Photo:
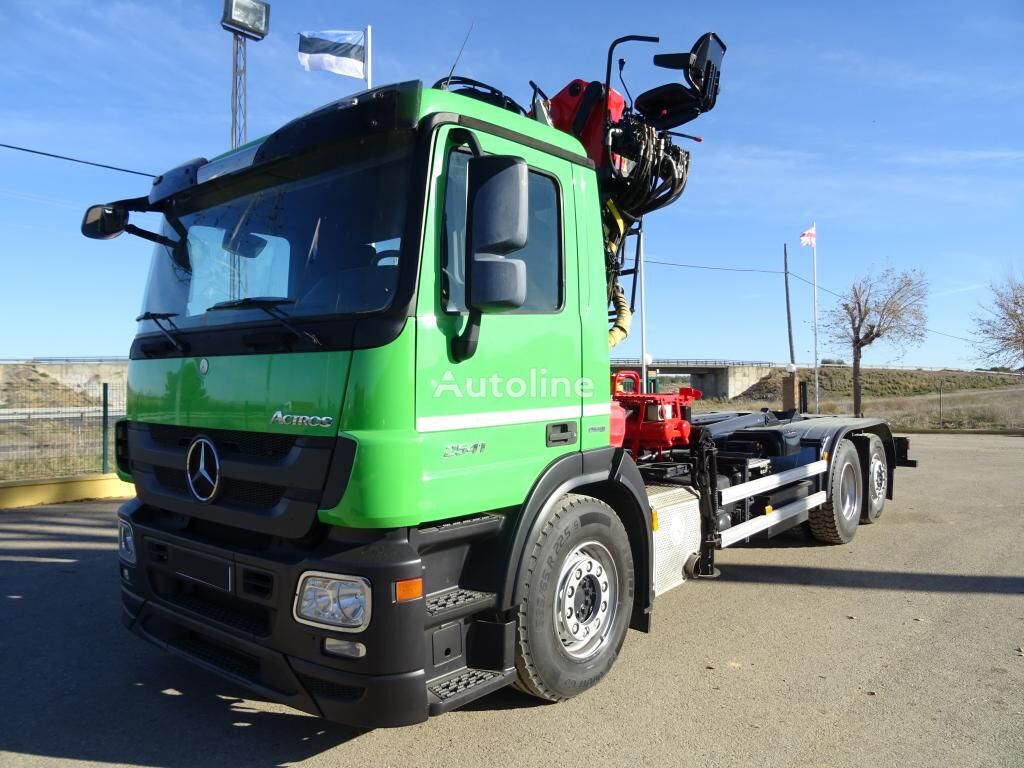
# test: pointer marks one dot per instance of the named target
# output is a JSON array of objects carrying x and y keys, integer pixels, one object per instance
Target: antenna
[{"x": 456, "y": 62}]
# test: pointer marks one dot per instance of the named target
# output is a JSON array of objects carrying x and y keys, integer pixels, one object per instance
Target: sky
[{"x": 898, "y": 128}]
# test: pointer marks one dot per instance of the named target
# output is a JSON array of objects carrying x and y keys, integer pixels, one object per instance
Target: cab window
[{"x": 542, "y": 253}]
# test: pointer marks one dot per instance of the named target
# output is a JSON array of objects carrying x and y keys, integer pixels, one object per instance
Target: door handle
[{"x": 561, "y": 433}]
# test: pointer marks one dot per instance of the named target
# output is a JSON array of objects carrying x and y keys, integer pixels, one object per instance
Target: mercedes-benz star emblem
[{"x": 202, "y": 469}]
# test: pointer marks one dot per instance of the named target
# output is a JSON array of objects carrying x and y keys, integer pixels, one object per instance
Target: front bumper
[{"x": 246, "y": 632}]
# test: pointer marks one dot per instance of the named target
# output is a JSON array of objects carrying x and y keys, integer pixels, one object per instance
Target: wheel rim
[
  {"x": 586, "y": 600},
  {"x": 849, "y": 491},
  {"x": 879, "y": 477}
]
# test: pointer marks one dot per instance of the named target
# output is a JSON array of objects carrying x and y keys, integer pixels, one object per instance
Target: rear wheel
[
  {"x": 835, "y": 521},
  {"x": 578, "y": 594},
  {"x": 876, "y": 477}
]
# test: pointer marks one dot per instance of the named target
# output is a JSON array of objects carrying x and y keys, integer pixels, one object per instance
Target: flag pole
[
  {"x": 369, "y": 57},
  {"x": 814, "y": 276}
]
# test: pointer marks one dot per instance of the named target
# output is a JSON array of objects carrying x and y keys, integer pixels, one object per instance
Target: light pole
[{"x": 245, "y": 20}]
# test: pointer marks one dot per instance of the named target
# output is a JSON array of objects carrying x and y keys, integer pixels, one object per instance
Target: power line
[
  {"x": 717, "y": 269},
  {"x": 76, "y": 160},
  {"x": 839, "y": 296},
  {"x": 793, "y": 274}
]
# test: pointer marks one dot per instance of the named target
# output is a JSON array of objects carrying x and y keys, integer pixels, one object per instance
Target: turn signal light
[{"x": 408, "y": 589}]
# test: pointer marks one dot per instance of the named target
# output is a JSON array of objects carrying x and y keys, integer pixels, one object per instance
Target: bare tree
[
  {"x": 888, "y": 306},
  {"x": 1000, "y": 325}
]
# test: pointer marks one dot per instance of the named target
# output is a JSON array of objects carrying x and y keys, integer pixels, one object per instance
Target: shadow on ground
[
  {"x": 77, "y": 685},
  {"x": 901, "y": 581}
]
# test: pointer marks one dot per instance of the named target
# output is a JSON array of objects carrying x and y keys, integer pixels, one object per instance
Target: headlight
[
  {"x": 125, "y": 542},
  {"x": 333, "y": 602}
]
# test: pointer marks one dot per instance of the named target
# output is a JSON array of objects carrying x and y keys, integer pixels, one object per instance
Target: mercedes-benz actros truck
[{"x": 381, "y": 465}]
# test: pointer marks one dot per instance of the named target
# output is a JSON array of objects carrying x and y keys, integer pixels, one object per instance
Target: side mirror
[
  {"x": 102, "y": 222},
  {"x": 498, "y": 205},
  {"x": 496, "y": 225}
]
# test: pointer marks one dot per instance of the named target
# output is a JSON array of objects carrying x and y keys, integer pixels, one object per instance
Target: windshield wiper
[
  {"x": 158, "y": 319},
  {"x": 272, "y": 306}
]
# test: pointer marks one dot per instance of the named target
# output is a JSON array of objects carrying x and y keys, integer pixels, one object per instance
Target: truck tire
[
  {"x": 876, "y": 476},
  {"x": 835, "y": 521},
  {"x": 577, "y": 598}
]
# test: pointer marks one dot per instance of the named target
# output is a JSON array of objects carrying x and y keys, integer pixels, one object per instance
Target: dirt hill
[
  {"x": 25, "y": 386},
  {"x": 837, "y": 382}
]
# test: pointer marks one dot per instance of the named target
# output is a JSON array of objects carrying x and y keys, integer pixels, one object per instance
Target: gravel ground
[{"x": 901, "y": 649}]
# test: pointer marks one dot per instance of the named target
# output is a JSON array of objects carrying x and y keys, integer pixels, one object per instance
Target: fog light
[
  {"x": 344, "y": 648},
  {"x": 332, "y": 601},
  {"x": 125, "y": 542}
]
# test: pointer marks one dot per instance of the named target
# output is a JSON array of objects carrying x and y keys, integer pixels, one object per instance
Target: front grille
[
  {"x": 171, "y": 478},
  {"x": 250, "y": 494},
  {"x": 269, "y": 483},
  {"x": 258, "y": 445},
  {"x": 219, "y": 607},
  {"x": 235, "y": 492}
]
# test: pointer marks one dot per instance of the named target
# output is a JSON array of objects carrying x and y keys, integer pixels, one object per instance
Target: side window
[
  {"x": 453, "y": 244},
  {"x": 542, "y": 254}
]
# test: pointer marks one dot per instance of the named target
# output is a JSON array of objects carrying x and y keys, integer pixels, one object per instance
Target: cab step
[
  {"x": 465, "y": 685},
  {"x": 455, "y": 530},
  {"x": 457, "y": 602}
]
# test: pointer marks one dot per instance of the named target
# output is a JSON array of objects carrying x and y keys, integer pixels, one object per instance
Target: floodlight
[{"x": 250, "y": 18}]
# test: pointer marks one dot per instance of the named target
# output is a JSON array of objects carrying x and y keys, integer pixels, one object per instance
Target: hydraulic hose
[{"x": 623, "y": 317}]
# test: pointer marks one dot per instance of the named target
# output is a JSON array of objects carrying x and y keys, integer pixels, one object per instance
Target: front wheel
[{"x": 577, "y": 599}]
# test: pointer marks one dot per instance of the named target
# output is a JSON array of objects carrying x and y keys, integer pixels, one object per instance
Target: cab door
[{"x": 489, "y": 425}]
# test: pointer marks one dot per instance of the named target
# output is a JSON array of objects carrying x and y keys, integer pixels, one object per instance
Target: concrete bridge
[{"x": 715, "y": 378}]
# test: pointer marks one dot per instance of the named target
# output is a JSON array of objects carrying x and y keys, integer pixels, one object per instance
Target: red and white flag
[{"x": 810, "y": 236}]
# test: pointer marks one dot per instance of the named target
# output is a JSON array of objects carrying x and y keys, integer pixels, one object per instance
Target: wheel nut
[
  {"x": 579, "y": 573},
  {"x": 571, "y": 591},
  {"x": 590, "y": 567},
  {"x": 604, "y": 606},
  {"x": 599, "y": 571},
  {"x": 575, "y": 628}
]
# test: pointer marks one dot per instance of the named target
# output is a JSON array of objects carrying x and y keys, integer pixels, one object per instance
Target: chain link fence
[{"x": 58, "y": 420}]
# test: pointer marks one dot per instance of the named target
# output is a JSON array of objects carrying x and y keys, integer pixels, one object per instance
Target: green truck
[{"x": 381, "y": 466}]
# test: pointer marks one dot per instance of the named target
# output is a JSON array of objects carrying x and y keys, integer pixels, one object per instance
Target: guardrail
[
  {"x": 635, "y": 361},
  {"x": 624, "y": 361}
]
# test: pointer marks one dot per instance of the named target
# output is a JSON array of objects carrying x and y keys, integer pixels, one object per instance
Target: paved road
[{"x": 898, "y": 650}]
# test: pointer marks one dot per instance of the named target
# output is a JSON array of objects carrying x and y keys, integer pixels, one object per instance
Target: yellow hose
[{"x": 623, "y": 317}]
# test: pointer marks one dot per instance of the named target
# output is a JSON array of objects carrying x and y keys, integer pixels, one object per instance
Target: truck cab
[{"x": 347, "y": 439}]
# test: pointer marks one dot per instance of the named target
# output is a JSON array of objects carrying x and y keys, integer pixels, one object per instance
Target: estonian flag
[{"x": 343, "y": 53}]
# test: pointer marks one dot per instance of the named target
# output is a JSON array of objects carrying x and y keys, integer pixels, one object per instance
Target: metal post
[
  {"x": 940, "y": 404},
  {"x": 238, "y": 96},
  {"x": 814, "y": 270},
  {"x": 789, "y": 314},
  {"x": 643, "y": 305},
  {"x": 106, "y": 428},
  {"x": 369, "y": 57}
]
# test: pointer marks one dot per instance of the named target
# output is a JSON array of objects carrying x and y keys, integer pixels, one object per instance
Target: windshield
[{"x": 325, "y": 243}]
